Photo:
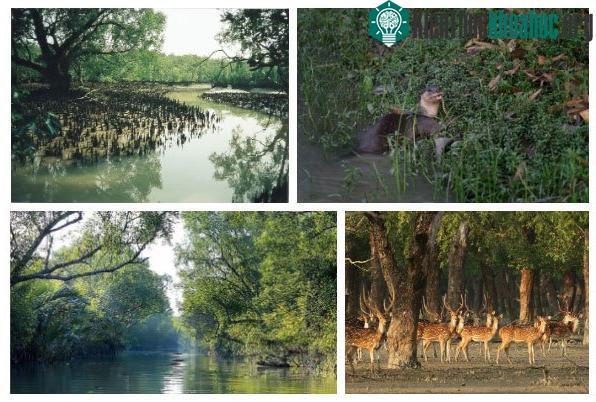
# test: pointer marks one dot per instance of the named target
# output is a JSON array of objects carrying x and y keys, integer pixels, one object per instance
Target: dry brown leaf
[
  {"x": 520, "y": 171},
  {"x": 542, "y": 60},
  {"x": 531, "y": 75},
  {"x": 535, "y": 94},
  {"x": 474, "y": 45},
  {"x": 518, "y": 53},
  {"x": 511, "y": 45},
  {"x": 513, "y": 70},
  {"x": 469, "y": 43},
  {"x": 485, "y": 45},
  {"x": 562, "y": 56},
  {"x": 585, "y": 115},
  {"x": 492, "y": 85},
  {"x": 574, "y": 102}
]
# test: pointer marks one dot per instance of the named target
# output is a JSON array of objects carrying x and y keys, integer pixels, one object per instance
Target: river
[
  {"x": 164, "y": 373},
  {"x": 176, "y": 173}
]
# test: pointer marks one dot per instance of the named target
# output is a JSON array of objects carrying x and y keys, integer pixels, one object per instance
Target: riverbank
[{"x": 273, "y": 103}]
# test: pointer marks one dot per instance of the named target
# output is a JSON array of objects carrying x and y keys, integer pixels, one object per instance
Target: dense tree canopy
[
  {"x": 261, "y": 284},
  {"x": 263, "y": 34},
  {"x": 52, "y": 40},
  {"x": 58, "y": 46},
  {"x": 79, "y": 285}
]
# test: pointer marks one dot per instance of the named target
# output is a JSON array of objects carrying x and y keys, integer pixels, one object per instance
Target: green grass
[{"x": 509, "y": 148}]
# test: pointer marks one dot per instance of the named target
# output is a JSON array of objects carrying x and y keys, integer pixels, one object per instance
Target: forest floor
[{"x": 550, "y": 374}]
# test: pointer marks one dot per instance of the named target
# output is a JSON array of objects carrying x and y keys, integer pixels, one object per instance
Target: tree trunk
[
  {"x": 585, "y": 272},
  {"x": 57, "y": 76},
  {"x": 457, "y": 255},
  {"x": 579, "y": 296},
  {"x": 378, "y": 291},
  {"x": 568, "y": 290},
  {"x": 538, "y": 311},
  {"x": 503, "y": 294},
  {"x": 432, "y": 296},
  {"x": 489, "y": 286},
  {"x": 525, "y": 296},
  {"x": 352, "y": 290},
  {"x": 475, "y": 299},
  {"x": 406, "y": 285},
  {"x": 550, "y": 294}
]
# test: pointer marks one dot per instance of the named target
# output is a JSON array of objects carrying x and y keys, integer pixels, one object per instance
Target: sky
[
  {"x": 162, "y": 260},
  {"x": 193, "y": 31}
]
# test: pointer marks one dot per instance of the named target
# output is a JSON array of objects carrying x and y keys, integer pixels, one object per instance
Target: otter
[{"x": 419, "y": 125}]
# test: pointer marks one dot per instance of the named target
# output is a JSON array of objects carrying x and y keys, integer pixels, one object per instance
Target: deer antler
[
  {"x": 559, "y": 304},
  {"x": 425, "y": 307},
  {"x": 391, "y": 302},
  {"x": 464, "y": 301},
  {"x": 452, "y": 311},
  {"x": 364, "y": 302}
]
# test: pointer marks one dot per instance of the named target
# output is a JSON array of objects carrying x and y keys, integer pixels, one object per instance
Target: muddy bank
[
  {"x": 551, "y": 374},
  {"x": 265, "y": 102},
  {"x": 115, "y": 120},
  {"x": 364, "y": 178}
]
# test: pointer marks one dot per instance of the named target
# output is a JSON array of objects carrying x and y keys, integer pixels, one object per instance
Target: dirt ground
[{"x": 550, "y": 374}]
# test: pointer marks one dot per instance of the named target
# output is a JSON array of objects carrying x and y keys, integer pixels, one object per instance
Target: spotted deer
[
  {"x": 476, "y": 316},
  {"x": 482, "y": 334},
  {"x": 521, "y": 334},
  {"x": 560, "y": 330},
  {"x": 367, "y": 338},
  {"x": 440, "y": 333},
  {"x": 431, "y": 317},
  {"x": 366, "y": 317}
]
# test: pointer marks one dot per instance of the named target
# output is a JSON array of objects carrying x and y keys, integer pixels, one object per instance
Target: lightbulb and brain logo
[{"x": 388, "y": 23}]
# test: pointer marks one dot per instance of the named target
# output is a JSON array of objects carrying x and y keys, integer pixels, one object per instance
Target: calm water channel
[{"x": 163, "y": 373}]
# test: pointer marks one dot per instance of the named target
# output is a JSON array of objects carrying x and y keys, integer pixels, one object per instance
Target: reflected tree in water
[
  {"x": 256, "y": 169},
  {"x": 120, "y": 179}
]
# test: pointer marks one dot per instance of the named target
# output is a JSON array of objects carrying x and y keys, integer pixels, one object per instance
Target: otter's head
[
  {"x": 430, "y": 100},
  {"x": 432, "y": 94}
]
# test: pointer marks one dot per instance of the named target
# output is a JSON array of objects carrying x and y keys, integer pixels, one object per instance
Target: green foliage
[
  {"x": 499, "y": 239},
  {"x": 264, "y": 35},
  {"x": 26, "y": 127},
  {"x": 261, "y": 284},
  {"x": 91, "y": 315},
  {"x": 65, "y": 37},
  {"x": 510, "y": 147},
  {"x": 156, "y": 332},
  {"x": 105, "y": 242},
  {"x": 78, "y": 298},
  {"x": 152, "y": 66}
]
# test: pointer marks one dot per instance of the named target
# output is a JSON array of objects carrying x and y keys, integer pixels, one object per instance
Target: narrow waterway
[{"x": 164, "y": 373}]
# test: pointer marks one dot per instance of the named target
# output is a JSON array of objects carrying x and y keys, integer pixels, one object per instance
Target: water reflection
[
  {"x": 217, "y": 166},
  {"x": 254, "y": 168},
  {"x": 163, "y": 373},
  {"x": 119, "y": 179}
]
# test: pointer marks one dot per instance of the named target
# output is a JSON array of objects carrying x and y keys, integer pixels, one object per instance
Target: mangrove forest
[
  {"x": 168, "y": 302},
  {"x": 144, "y": 105}
]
